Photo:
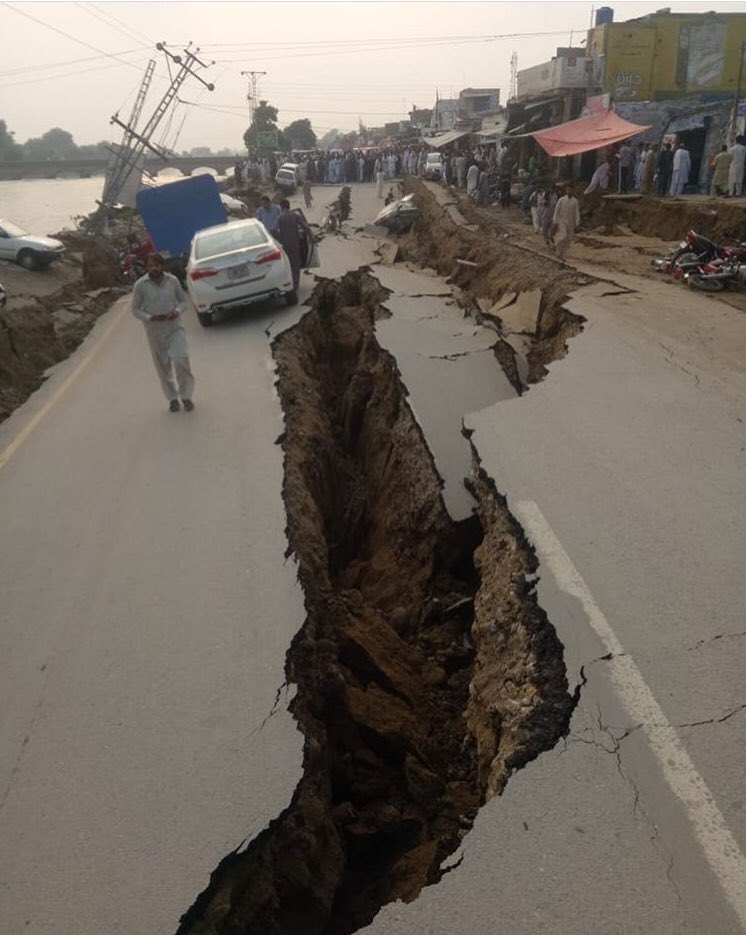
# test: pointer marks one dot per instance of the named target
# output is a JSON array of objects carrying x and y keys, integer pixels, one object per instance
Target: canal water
[{"x": 45, "y": 206}]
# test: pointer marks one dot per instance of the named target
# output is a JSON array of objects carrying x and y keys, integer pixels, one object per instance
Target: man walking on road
[
  {"x": 566, "y": 220},
  {"x": 159, "y": 301}
]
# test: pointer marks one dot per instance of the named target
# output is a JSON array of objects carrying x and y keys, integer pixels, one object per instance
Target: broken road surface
[{"x": 148, "y": 609}]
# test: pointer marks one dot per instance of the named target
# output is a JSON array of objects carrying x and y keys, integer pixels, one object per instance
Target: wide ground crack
[{"x": 426, "y": 673}]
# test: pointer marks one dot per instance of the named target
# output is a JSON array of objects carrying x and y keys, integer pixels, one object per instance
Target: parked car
[
  {"x": 30, "y": 250},
  {"x": 288, "y": 177},
  {"x": 236, "y": 264},
  {"x": 433, "y": 167}
]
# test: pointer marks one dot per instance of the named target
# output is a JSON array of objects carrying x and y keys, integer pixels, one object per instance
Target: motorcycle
[
  {"x": 131, "y": 266},
  {"x": 694, "y": 251},
  {"x": 717, "y": 275}
]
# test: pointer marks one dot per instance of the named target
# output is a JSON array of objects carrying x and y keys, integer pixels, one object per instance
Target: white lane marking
[{"x": 718, "y": 843}]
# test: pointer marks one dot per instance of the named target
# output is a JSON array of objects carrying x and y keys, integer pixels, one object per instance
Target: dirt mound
[
  {"x": 670, "y": 219},
  {"x": 425, "y": 670},
  {"x": 42, "y": 333},
  {"x": 98, "y": 257}
]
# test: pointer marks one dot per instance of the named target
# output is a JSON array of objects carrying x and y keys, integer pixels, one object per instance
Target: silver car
[{"x": 30, "y": 250}]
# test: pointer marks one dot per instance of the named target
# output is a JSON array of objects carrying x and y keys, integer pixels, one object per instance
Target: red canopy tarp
[{"x": 586, "y": 133}]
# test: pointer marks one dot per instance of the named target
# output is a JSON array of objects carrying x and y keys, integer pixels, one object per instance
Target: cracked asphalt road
[{"x": 146, "y": 611}]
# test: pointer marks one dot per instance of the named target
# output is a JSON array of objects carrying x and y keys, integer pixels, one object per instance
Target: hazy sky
[{"x": 331, "y": 62}]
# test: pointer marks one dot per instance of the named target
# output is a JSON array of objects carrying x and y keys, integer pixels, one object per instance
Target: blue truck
[{"x": 173, "y": 213}]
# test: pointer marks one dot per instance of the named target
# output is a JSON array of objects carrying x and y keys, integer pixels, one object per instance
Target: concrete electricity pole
[
  {"x": 136, "y": 142},
  {"x": 251, "y": 95}
]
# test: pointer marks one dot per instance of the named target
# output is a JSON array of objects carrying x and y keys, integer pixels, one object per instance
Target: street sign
[{"x": 266, "y": 139}]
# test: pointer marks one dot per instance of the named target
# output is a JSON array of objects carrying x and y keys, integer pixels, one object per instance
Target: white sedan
[
  {"x": 30, "y": 250},
  {"x": 236, "y": 264}
]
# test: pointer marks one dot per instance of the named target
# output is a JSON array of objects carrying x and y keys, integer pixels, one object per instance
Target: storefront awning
[
  {"x": 443, "y": 139},
  {"x": 586, "y": 133}
]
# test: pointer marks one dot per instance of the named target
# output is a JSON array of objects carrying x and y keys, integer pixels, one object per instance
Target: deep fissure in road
[
  {"x": 426, "y": 672},
  {"x": 494, "y": 269}
]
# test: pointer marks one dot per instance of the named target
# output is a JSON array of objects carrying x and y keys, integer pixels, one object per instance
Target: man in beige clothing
[
  {"x": 159, "y": 301},
  {"x": 566, "y": 220}
]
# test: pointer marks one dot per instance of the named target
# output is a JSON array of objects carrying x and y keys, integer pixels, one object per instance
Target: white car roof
[{"x": 244, "y": 222}]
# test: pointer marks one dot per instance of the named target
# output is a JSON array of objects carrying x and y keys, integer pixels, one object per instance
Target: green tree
[
  {"x": 9, "y": 149},
  {"x": 265, "y": 118},
  {"x": 329, "y": 139},
  {"x": 299, "y": 134},
  {"x": 54, "y": 144}
]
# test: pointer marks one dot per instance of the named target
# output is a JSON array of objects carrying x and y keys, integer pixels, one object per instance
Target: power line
[
  {"x": 65, "y": 64},
  {"x": 100, "y": 16},
  {"x": 69, "y": 74},
  {"x": 133, "y": 32},
  {"x": 369, "y": 41},
  {"x": 67, "y": 35}
]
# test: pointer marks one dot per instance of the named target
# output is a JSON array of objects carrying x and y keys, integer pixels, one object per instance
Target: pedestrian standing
[
  {"x": 268, "y": 213},
  {"x": 721, "y": 171},
  {"x": 682, "y": 166},
  {"x": 665, "y": 169},
  {"x": 461, "y": 169},
  {"x": 566, "y": 221},
  {"x": 288, "y": 231},
  {"x": 534, "y": 203},
  {"x": 472, "y": 180},
  {"x": 307, "y": 196},
  {"x": 159, "y": 301},
  {"x": 735, "y": 173},
  {"x": 626, "y": 159},
  {"x": 380, "y": 176},
  {"x": 483, "y": 186},
  {"x": 648, "y": 170},
  {"x": 546, "y": 214}
]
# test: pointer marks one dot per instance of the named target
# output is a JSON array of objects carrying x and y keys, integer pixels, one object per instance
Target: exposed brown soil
[
  {"x": 425, "y": 670},
  {"x": 438, "y": 242},
  {"x": 669, "y": 218}
]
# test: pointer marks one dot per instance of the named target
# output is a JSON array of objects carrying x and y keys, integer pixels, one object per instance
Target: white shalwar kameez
[
  {"x": 735, "y": 173},
  {"x": 167, "y": 339},
  {"x": 682, "y": 167},
  {"x": 566, "y": 220}
]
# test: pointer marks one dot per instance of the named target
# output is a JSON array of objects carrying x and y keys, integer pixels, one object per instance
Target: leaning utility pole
[
  {"x": 251, "y": 95},
  {"x": 138, "y": 141}
]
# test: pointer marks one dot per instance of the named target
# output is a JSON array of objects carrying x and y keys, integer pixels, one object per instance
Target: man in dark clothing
[
  {"x": 288, "y": 231},
  {"x": 665, "y": 169}
]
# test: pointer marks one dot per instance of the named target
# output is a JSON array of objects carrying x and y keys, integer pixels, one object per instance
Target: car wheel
[
  {"x": 28, "y": 259},
  {"x": 291, "y": 297},
  {"x": 205, "y": 319}
]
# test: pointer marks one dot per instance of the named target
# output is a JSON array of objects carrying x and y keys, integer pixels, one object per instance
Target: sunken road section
[{"x": 426, "y": 672}]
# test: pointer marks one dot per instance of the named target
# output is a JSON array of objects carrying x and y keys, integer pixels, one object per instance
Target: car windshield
[
  {"x": 229, "y": 239},
  {"x": 433, "y": 157},
  {"x": 285, "y": 174},
  {"x": 12, "y": 230}
]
